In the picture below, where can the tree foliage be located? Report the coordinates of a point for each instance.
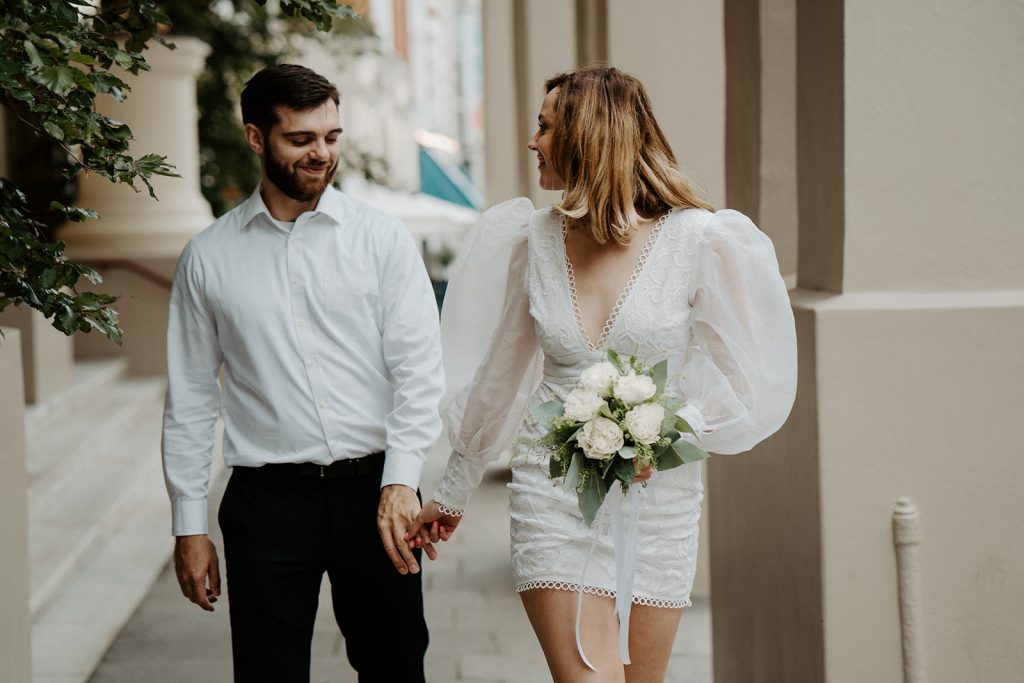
(56, 57)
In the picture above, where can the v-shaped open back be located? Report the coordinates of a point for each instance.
(638, 268)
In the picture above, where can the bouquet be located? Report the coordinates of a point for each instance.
(616, 421)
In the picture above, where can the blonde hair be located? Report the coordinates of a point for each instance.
(608, 149)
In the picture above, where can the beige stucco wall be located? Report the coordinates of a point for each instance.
(549, 39)
(15, 650)
(934, 145)
(919, 395)
(677, 50)
(909, 326)
(503, 174)
(777, 171)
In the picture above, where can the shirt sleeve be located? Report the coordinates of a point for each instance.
(739, 374)
(412, 353)
(483, 412)
(193, 397)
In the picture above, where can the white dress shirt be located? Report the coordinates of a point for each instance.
(328, 337)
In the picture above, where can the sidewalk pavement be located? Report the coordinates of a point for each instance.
(479, 631)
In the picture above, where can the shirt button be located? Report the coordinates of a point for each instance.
(296, 281)
(322, 404)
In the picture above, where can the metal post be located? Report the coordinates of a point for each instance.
(906, 533)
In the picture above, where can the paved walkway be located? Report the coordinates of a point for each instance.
(478, 629)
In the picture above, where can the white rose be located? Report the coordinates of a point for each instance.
(599, 378)
(632, 389)
(644, 422)
(582, 405)
(600, 438)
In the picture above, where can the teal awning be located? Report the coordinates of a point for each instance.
(444, 180)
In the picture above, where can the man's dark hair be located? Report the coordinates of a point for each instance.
(287, 85)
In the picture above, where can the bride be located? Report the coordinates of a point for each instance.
(630, 259)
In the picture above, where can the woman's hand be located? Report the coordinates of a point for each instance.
(431, 526)
(643, 475)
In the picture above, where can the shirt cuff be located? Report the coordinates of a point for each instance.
(401, 468)
(188, 517)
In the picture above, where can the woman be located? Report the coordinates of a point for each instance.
(631, 259)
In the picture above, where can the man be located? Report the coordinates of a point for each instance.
(319, 311)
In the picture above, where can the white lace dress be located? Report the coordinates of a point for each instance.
(706, 294)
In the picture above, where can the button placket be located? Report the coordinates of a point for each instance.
(306, 331)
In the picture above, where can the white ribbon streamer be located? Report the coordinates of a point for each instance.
(579, 603)
(624, 541)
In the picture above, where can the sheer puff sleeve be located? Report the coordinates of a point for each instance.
(739, 373)
(491, 352)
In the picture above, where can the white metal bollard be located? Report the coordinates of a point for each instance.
(906, 535)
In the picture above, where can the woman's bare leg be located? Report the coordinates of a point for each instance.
(652, 630)
(553, 616)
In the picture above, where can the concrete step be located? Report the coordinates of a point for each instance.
(57, 429)
(99, 531)
(88, 377)
(97, 456)
(120, 557)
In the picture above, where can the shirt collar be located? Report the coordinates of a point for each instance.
(331, 204)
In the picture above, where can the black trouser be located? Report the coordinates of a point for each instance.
(282, 531)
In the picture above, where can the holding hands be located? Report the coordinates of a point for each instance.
(434, 523)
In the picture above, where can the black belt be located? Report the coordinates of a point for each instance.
(346, 467)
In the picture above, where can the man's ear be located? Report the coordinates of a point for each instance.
(254, 136)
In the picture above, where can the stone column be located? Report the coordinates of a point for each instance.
(525, 43)
(15, 617)
(162, 113)
(760, 138)
(136, 241)
(910, 312)
(677, 50)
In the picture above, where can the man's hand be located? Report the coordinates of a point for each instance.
(195, 561)
(431, 526)
(398, 509)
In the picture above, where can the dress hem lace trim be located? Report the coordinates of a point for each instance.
(603, 592)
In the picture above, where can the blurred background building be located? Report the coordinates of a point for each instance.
(879, 145)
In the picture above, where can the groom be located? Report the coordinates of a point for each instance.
(319, 313)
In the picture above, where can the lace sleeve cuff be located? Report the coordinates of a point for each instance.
(451, 512)
(457, 484)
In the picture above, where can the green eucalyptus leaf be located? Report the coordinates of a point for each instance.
(683, 426)
(591, 498)
(572, 475)
(548, 411)
(667, 459)
(659, 373)
(624, 470)
(688, 452)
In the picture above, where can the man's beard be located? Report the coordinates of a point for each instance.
(291, 183)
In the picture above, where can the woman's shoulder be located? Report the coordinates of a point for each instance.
(719, 223)
(515, 211)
